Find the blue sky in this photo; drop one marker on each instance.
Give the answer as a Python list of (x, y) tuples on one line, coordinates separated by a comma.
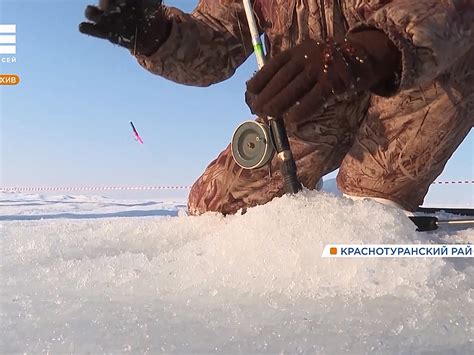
[(67, 122)]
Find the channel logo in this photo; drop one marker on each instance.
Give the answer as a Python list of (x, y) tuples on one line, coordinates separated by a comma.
[(7, 39)]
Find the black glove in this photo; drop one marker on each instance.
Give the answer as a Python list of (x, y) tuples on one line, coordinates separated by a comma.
[(139, 25), (299, 81)]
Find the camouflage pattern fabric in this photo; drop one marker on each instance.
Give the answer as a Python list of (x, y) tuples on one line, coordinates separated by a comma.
[(389, 147)]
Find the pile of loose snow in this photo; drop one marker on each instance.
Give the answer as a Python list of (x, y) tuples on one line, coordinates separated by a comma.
[(251, 283)]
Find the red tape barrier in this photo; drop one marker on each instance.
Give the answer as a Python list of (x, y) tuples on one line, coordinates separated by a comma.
[(149, 188), (453, 182), (99, 188)]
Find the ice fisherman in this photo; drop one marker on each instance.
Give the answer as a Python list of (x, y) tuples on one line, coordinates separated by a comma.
[(381, 89)]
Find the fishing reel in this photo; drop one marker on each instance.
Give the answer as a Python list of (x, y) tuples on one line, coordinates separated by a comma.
[(252, 146)]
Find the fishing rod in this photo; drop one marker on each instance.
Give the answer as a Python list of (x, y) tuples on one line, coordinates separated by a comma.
[(253, 143)]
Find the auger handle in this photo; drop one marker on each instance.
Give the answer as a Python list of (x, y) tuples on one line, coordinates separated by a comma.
[(430, 223)]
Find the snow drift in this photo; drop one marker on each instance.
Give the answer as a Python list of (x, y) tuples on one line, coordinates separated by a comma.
[(251, 283)]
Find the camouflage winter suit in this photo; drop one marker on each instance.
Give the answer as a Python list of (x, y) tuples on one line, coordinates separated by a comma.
[(390, 146)]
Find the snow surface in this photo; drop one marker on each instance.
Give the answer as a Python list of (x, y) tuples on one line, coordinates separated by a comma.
[(93, 275)]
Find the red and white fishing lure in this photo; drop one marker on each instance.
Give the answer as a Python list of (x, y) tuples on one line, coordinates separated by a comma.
[(135, 133)]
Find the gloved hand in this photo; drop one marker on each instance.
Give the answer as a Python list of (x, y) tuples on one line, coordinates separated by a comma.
[(139, 25), (299, 81)]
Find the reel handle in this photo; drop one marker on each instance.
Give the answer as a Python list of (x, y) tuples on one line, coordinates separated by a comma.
[(290, 179), (288, 165)]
